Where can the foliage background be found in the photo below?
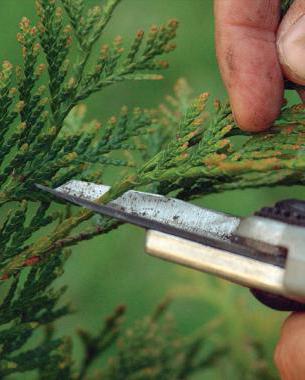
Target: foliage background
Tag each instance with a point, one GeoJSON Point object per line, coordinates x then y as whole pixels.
{"type": "Point", "coordinates": [113, 269]}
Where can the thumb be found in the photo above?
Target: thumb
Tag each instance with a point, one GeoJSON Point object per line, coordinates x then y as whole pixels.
{"type": "Point", "coordinates": [291, 43]}
{"type": "Point", "coordinates": [289, 353]}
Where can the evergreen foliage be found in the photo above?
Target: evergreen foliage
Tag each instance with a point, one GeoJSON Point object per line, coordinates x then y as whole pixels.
{"type": "Point", "coordinates": [45, 139]}
{"type": "Point", "coordinates": [285, 5]}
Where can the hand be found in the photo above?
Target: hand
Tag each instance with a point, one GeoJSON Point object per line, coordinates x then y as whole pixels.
{"type": "Point", "coordinates": [246, 36]}
{"type": "Point", "coordinates": [248, 39]}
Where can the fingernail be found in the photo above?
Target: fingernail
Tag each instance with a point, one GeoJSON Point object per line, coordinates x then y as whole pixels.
{"type": "Point", "coordinates": [291, 51]}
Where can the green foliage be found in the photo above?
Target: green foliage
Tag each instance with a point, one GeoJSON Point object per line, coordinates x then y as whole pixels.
{"type": "Point", "coordinates": [285, 5]}
{"type": "Point", "coordinates": [37, 149]}
{"type": "Point", "coordinates": [30, 303]}
{"type": "Point", "coordinates": [207, 157]}
{"type": "Point", "coordinates": [45, 138]}
{"type": "Point", "coordinates": [244, 328]}
{"type": "Point", "coordinates": [152, 350]}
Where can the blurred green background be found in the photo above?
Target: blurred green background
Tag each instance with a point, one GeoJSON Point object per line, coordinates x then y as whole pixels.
{"type": "Point", "coordinates": [113, 269]}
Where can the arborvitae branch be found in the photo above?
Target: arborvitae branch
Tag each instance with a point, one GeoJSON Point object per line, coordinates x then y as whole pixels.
{"type": "Point", "coordinates": [98, 344]}
{"type": "Point", "coordinates": [39, 145]}
{"type": "Point", "coordinates": [44, 138]}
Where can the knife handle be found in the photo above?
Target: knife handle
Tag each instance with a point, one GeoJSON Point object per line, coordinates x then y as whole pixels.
{"type": "Point", "coordinates": [291, 212]}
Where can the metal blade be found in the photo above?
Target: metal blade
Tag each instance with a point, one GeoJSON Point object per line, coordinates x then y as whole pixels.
{"type": "Point", "coordinates": [167, 215]}
{"type": "Point", "coordinates": [170, 211]}
{"type": "Point", "coordinates": [119, 212]}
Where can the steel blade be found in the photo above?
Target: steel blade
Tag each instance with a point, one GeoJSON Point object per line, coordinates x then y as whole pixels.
{"type": "Point", "coordinates": [170, 211]}
{"type": "Point", "coordinates": [152, 212]}
{"type": "Point", "coordinates": [120, 213]}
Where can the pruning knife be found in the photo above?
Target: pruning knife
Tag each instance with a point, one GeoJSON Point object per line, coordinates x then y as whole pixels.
{"type": "Point", "coordinates": [263, 252]}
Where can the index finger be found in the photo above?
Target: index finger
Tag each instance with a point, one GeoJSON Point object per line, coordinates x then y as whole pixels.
{"type": "Point", "coordinates": [247, 56]}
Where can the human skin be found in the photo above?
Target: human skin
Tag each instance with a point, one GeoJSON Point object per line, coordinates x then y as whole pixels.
{"type": "Point", "coordinates": [255, 51]}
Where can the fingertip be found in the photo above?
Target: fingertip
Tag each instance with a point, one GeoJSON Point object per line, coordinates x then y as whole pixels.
{"type": "Point", "coordinates": [253, 122]}
{"type": "Point", "coordinates": [288, 355]}
{"type": "Point", "coordinates": [248, 61]}
{"type": "Point", "coordinates": [252, 115]}
{"type": "Point", "coordinates": [295, 323]}
{"type": "Point", "coordinates": [256, 90]}
{"type": "Point", "coordinates": [291, 51]}
{"type": "Point", "coordinates": [290, 42]}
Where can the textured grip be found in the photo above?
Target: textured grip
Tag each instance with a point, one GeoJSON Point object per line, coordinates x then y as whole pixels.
{"type": "Point", "coordinates": [290, 211]}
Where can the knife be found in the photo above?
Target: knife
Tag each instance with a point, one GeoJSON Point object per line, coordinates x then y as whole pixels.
{"type": "Point", "coordinates": [263, 252]}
